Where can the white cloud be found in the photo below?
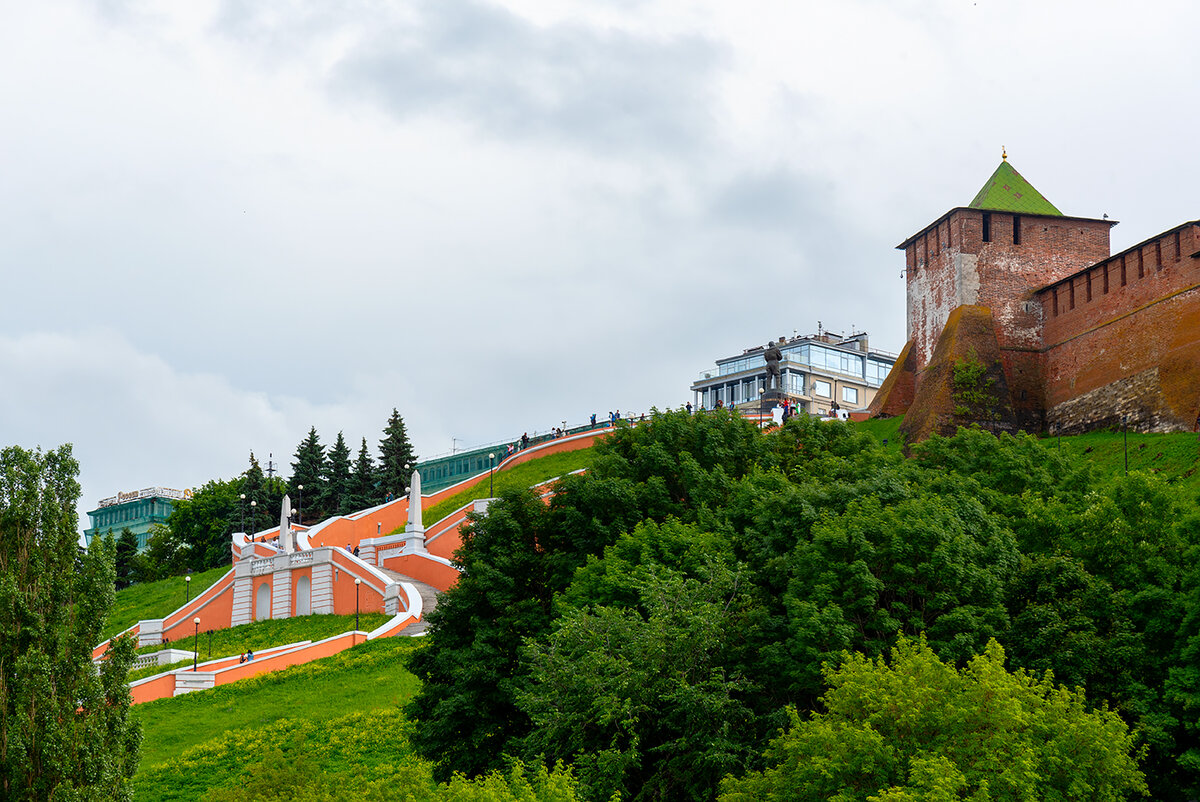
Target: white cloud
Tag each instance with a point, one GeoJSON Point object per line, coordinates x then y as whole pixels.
{"type": "Point", "coordinates": [226, 222]}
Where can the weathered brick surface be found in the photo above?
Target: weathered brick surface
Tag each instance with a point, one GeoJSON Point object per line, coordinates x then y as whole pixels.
{"type": "Point", "coordinates": [950, 265]}
{"type": "Point", "coordinates": [1135, 401]}
{"type": "Point", "coordinates": [1126, 323]}
{"type": "Point", "coordinates": [896, 393]}
{"type": "Point", "coordinates": [969, 334]}
{"type": "Point", "coordinates": [1082, 337]}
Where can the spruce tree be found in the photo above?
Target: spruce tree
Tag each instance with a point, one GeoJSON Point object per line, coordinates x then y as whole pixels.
{"type": "Point", "coordinates": [337, 477]}
{"type": "Point", "coordinates": [65, 731]}
{"type": "Point", "coordinates": [126, 558]}
{"type": "Point", "coordinates": [307, 471]}
{"type": "Point", "coordinates": [396, 459]}
{"type": "Point", "coordinates": [362, 481]}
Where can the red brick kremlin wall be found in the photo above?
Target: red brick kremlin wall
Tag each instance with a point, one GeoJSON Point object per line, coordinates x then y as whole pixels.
{"type": "Point", "coordinates": [950, 264]}
{"type": "Point", "coordinates": [1122, 338]}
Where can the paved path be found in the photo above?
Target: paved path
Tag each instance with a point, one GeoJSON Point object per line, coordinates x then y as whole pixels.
{"type": "Point", "coordinates": [429, 596]}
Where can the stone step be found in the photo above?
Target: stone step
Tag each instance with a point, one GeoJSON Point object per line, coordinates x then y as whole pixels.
{"type": "Point", "coordinates": [428, 595]}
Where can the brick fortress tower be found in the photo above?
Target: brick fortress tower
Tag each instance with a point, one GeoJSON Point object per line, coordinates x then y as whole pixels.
{"type": "Point", "coordinates": [1033, 298]}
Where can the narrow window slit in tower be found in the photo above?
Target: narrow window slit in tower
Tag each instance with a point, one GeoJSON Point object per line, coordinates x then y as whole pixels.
{"type": "Point", "coordinates": [987, 227]}
{"type": "Point", "coordinates": [1122, 271]}
{"type": "Point", "coordinates": [1104, 291]}
{"type": "Point", "coordinates": [1141, 263]}
{"type": "Point", "coordinates": [1016, 229]}
{"type": "Point", "coordinates": [1158, 254]}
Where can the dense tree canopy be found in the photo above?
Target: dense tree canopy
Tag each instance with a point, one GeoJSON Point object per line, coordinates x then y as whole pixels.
{"type": "Point", "coordinates": [914, 727]}
{"type": "Point", "coordinates": [64, 731]}
{"type": "Point", "coordinates": [653, 623]}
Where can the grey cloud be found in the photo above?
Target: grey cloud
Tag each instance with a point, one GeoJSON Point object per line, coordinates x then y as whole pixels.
{"type": "Point", "coordinates": [606, 88]}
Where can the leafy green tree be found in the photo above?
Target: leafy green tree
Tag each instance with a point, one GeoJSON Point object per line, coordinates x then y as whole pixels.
{"type": "Point", "coordinates": [396, 459]}
{"type": "Point", "coordinates": [644, 703]}
{"type": "Point", "coordinates": [65, 731]}
{"type": "Point", "coordinates": [166, 553]}
{"type": "Point", "coordinates": [363, 481]}
{"type": "Point", "coordinates": [337, 477]}
{"type": "Point", "coordinates": [308, 473]}
{"type": "Point", "coordinates": [201, 527]}
{"type": "Point", "coordinates": [917, 728]}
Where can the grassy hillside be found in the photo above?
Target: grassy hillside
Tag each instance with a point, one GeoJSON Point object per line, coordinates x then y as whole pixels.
{"type": "Point", "coordinates": [263, 635]}
{"type": "Point", "coordinates": [369, 677]}
{"type": "Point", "coordinates": [156, 599]}
{"type": "Point", "coordinates": [524, 475]}
{"type": "Point", "coordinates": [1175, 456]}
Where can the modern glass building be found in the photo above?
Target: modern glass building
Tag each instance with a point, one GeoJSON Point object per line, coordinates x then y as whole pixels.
{"type": "Point", "coordinates": [816, 371]}
{"type": "Point", "coordinates": [137, 510]}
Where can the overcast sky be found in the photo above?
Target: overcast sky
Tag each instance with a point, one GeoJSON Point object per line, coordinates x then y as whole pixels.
{"type": "Point", "coordinates": [223, 222]}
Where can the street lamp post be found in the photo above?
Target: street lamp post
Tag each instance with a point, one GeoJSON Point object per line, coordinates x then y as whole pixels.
{"type": "Point", "coordinates": [253, 512]}
{"type": "Point", "coordinates": [300, 505]}
{"type": "Point", "coordinates": [491, 471]}
{"type": "Point", "coordinates": [357, 582]}
{"type": "Point", "coordinates": [243, 505]}
{"type": "Point", "coordinates": [187, 588]}
{"type": "Point", "coordinates": [195, 641]}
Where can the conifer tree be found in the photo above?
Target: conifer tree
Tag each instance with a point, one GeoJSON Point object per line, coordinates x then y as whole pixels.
{"type": "Point", "coordinates": [396, 459]}
{"type": "Point", "coordinates": [337, 477]}
{"type": "Point", "coordinates": [254, 486]}
{"type": "Point", "coordinates": [65, 731]}
{"type": "Point", "coordinates": [362, 481]}
{"type": "Point", "coordinates": [126, 558]}
{"type": "Point", "coordinates": [307, 471]}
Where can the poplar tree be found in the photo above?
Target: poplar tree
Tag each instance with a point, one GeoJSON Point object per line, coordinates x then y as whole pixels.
{"type": "Point", "coordinates": [337, 477]}
{"type": "Point", "coordinates": [396, 458]}
{"type": "Point", "coordinates": [307, 471]}
{"type": "Point", "coordinates": [65, 731]}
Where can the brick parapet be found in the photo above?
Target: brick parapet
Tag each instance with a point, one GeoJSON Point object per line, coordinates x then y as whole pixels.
{"type": "Point", "coordinates": [993, 259]}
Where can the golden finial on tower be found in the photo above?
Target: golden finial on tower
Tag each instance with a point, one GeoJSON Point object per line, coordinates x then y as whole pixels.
{"type": "Point", "coordinates": [1003, 154]}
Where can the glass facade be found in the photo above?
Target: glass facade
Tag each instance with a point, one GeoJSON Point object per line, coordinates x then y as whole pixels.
{"type": "Point", "coordinates": [137, 515]}
{"type": "Point", "coordinates": [845, 370]}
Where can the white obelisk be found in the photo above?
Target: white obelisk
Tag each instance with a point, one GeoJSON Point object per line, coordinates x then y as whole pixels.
{"type": "Point", "coordinates": [286, 541]}
{"type": "Point", "coordinates": [414, 530]}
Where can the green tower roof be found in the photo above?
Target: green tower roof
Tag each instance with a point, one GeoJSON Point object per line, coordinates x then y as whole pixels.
{"type": "Point", "coordinates": [1007, 191]}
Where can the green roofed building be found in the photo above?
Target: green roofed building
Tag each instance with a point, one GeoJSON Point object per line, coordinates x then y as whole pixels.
{"type": "Point", "coordinates": [137, 511]}
{"type": "Point", "coordinates": [1008, 191]}
{"type": "Point", "coordinates": [1070, 336]}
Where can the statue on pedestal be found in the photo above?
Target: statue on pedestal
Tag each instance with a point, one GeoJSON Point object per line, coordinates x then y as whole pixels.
{"type": "Point", "coordinates": [773, 355]}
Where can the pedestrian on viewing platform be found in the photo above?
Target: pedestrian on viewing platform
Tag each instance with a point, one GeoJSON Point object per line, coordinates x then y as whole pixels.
{"type": "Point", "coordinates": [689, 407]}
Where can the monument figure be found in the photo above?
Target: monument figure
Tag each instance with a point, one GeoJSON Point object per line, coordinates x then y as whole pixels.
{"type": "Point", "coordinates": [773, 355]}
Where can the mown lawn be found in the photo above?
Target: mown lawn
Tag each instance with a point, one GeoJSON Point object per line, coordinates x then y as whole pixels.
{"type": "Point", "coordinates": [262, 635]}
{"type": "Point", "coordinates": [156, 599]}
{"type": "Point", "coordinates": [370, 676]}
{"type": "Point", "coordinates": [1174, 456]}
{"type": "Point", "coordinates": [521, 476]}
